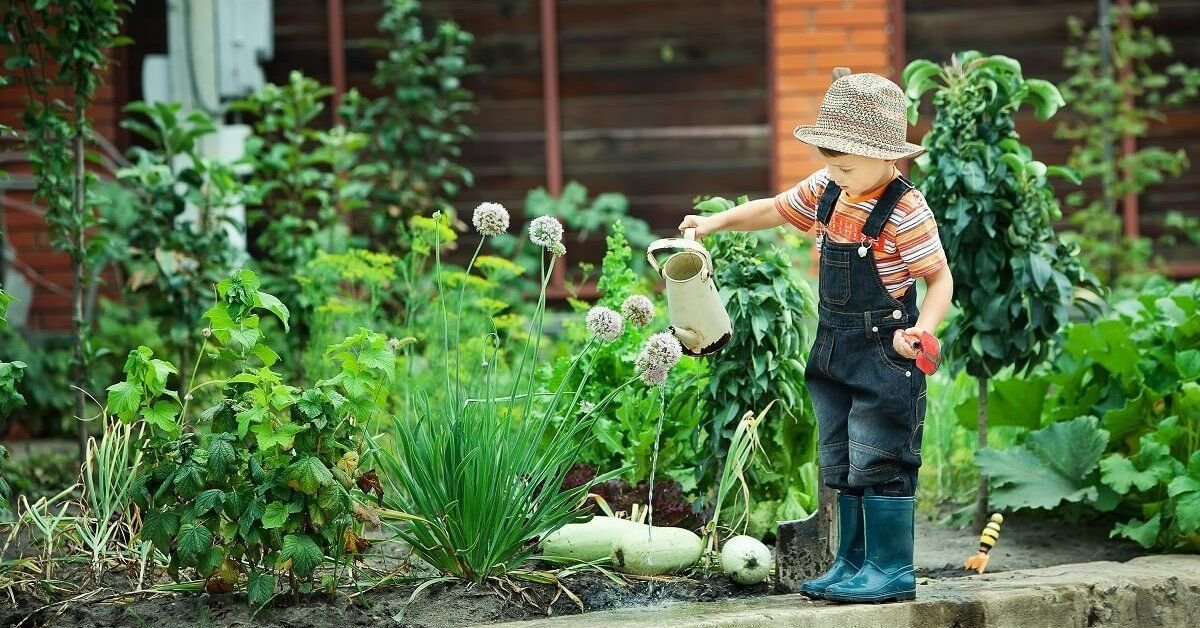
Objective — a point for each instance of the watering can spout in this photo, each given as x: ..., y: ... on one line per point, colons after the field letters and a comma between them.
x: 698, y: 316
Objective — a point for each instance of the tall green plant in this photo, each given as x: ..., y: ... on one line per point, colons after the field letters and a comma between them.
x: 61, y: 52
x: 305, y: 182
x: 1120, y: 88
x: 168, y: 214
x: 1016, y: 279
x: 416, y: 128
x: 764, y: 362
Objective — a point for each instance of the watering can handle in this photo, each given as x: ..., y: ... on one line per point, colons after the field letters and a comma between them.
x: 688, y: 241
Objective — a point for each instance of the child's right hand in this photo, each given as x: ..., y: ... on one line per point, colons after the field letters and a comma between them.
x: 704, y: 225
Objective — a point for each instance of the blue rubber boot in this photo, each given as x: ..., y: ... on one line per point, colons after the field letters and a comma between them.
x: 887, y: 571
x: 849, y: 557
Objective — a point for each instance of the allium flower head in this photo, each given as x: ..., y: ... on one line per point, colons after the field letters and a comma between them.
x: 657, y: 357
x: 638, y: 310
x: 490, y: 219
x: 545, y: 231
x: 605, y: 324
x: 558, y: 249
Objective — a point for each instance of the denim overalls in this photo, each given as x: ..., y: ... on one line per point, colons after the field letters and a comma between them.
x: 869, y: 400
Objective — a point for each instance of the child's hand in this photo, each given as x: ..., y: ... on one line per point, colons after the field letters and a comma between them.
x: 905, y: 342
x: 704, y: 225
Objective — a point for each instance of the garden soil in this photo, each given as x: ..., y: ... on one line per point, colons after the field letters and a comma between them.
x: 1027, y: 542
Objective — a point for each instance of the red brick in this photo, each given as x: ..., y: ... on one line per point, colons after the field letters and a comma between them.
x: 783, y: 5
x: 850, y: 17
x: 859, y: 60
x: 45, y: 261
x: 808, y: 83
x: 799, y: 18
x: 869, y: 37
x: 814, y: 40
x: 24, y: 238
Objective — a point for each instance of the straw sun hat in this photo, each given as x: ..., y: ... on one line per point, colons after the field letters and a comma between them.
x: 861, y: 114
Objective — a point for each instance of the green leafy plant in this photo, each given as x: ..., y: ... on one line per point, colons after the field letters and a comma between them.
x: 764, y: 362
x: 1056, y: 464
x: 995, y: 208
x: 477, y: 477
x: 60, y: 51
x: 306, y: 180
x: 1121, y: 86
x: 416, y: 128
x: 582, y: 217
x: 169, y: 218
x: 1137, y: 372
x: 265, y: 480
x: 10, y: 372
x: 625, y: 433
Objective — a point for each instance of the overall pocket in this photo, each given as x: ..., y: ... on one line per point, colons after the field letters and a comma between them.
x: 835, y: 276
x: 888, y: 354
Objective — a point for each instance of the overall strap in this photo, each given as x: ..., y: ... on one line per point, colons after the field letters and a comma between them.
x: 885, y: 205
x: 829, y: 199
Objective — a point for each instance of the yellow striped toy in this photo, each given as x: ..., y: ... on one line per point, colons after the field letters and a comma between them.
x: 987, y: 540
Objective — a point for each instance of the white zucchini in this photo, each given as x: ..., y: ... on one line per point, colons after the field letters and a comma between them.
x: 588, y: 541
x: 662, y: 551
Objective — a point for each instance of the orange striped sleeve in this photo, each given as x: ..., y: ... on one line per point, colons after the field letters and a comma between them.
x: 917, y: 239
x: 799, y: 204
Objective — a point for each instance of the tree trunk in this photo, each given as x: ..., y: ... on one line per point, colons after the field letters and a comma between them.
x: 78, y: 255
x: 981, y: 504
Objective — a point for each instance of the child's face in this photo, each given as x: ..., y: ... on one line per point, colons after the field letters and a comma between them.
x: 858, y: 175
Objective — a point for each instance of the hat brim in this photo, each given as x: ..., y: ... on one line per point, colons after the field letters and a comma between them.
x: 844, y: 143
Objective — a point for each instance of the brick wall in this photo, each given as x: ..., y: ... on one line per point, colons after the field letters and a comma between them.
x: 807, y: 39
x: 48, y: 270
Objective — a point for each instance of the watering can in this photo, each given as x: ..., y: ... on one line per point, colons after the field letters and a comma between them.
x: 698, y: 316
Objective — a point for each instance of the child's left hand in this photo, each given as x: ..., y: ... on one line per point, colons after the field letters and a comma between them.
x: 905, y: 341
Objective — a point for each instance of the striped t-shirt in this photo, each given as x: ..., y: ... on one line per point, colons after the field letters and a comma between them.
x: 909, y: 246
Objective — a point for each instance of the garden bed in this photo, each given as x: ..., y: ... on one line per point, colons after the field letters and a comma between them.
x: 1028, y: 542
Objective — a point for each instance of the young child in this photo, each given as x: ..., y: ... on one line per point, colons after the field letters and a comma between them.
x: 876, y: 236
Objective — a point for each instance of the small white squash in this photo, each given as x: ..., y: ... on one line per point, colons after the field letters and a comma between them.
x: 589, y: 541
x: 668, y: 550
x: 746, y: 560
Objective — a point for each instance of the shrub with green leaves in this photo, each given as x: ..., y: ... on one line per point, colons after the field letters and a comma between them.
x: 417, y: 125
x: 264, y: 481
x: 1016, y: 279
x: 1128, y: 385
x: 769, y: 304
x: 305, y: 180
x: 169, y: 221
